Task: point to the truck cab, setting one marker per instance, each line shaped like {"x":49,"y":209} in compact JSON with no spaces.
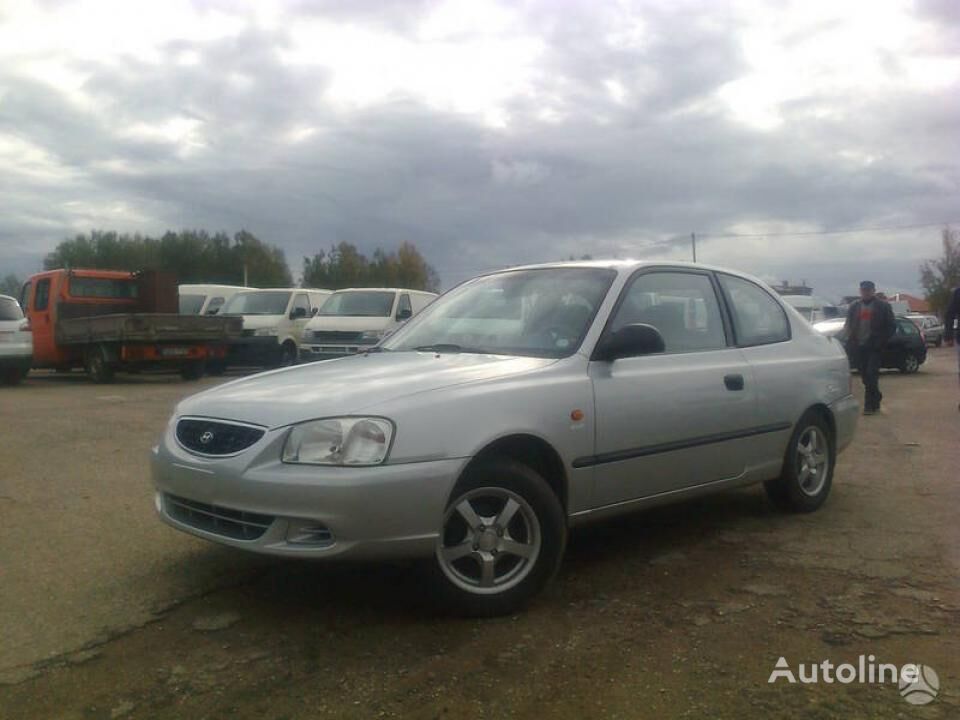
{"x":273,"y":323}
{"x":355,"y":319}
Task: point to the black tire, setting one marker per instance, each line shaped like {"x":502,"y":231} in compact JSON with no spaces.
{"x":13,"y":376}
{"x":192,"y":370}
{"x":288,"y":355}
{"x":911,"y":364}
{"x":537,"y":525}
{"x":216,"y":368}
{"x":98,"y":367}
{"x":795,"y":491}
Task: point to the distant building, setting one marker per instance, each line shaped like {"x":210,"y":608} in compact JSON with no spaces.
{"x":785,"y":288}
{"x":917,"y":305}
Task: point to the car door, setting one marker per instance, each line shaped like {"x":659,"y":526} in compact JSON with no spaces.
{"x":680,"y":418}
{"x":39,"y":310}
{"x":896,"y":348}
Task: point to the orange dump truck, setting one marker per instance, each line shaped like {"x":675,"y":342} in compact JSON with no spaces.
{"x":108,"y":320}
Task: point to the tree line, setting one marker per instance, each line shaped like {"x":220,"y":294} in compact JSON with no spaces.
{"x":197,"y":256}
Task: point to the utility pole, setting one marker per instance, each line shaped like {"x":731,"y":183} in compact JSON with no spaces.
{"x":693,"y":239}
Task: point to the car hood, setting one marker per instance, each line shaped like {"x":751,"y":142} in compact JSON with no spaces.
{"x":348,"y":385}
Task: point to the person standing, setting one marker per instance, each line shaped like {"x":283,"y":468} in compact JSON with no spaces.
{"x":870,"y":325}
{"x":950,"y":334}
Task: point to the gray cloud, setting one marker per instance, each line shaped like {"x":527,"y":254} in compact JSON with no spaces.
{"x":600,"y":174}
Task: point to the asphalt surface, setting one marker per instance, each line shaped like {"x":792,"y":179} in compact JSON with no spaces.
{"x":675,"y":612}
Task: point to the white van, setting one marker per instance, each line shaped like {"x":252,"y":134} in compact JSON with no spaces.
{"x":205,"y":299}
{"x":273,"y":323}
{"x":16,"y":342}
{"x":355,"y":319}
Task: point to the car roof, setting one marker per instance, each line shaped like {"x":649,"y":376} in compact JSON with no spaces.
{"x":7,"y":297}
{"x":384,"y":289}
{"x":628,"y":266}
{"x":306,"y":290}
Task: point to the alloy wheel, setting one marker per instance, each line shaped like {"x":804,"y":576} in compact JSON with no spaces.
{"x":490,"y":541}
{"x":813,"y":460}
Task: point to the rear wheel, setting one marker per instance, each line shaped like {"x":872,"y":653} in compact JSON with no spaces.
{"x":216,"y":367}
{"x":13,"y":376}
{"x":98,"y":367}
{"x":502,"y":539}
{"x":911,"y":364}
{"x":807,"y":476}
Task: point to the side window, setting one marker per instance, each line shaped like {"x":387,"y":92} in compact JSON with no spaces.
{"x":301,"y":301}
{"x":682,"y":306}
{"x":214,"y":306}
{"x":907,"y":328}
{"x":25,"y":296}
{"x":757,"y":318}
{"x":42,"y":300}
{"x":404,"y":308}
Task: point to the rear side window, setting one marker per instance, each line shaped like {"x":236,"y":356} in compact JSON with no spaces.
{"x":758,"y":319}
{"x":404,"y":304}
{"x":9,"y":310}
{"x":191,"y":304}
{"x":42,"y":299}
{"x":682,"y":306}
{"x":907,"y":328}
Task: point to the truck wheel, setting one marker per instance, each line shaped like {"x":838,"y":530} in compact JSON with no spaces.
{"x":288,"y":354}
{"x":192,"y":371}
{"x":99,"y":370}
{"x":216,"y":368}
{"x":13,"y":376}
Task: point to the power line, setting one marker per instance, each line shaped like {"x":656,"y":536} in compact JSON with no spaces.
{"x":828,"y":232}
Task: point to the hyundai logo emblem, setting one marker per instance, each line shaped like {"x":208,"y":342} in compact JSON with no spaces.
{"x":206,"y":438}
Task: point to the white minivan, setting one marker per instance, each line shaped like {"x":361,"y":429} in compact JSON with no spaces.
{"x":205,"y":299}
{"x":273,"y":323}
{"x":16,"y":342}
{"x":355,"y":319}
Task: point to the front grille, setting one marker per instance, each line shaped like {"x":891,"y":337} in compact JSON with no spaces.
{"x":336,"y":336}
{"x":235,"y":524}
{"x":211,"y":437}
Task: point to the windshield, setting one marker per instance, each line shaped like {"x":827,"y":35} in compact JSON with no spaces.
{"x":257,"y":303}
{"x":543,"y":313}
{"x":191,"y":304}
{"x":359,"y":304}
{"x":9,"y":310}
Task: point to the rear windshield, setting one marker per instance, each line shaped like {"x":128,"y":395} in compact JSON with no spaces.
{"x":9,"y":309}
{"x":359,"y":304}
{"x":86,"y":287}
{"x":191,"y":304}
{"x":257,"y":303}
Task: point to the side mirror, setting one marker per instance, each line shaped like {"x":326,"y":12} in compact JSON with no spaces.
{"x":314,"y":311}
{"x":630,"y":341}
{"x":404,"y":314}
{"x":298,"y":313}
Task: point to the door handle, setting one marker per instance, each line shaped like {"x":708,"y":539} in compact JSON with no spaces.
{"x":733,"y":382}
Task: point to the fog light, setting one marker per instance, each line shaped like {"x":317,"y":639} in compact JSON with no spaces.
{"x":309,"y":532}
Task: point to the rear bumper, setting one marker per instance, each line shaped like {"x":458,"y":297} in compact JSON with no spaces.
{"x":846,"y":414}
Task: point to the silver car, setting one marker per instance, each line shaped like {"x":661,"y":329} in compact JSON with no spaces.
{"x":516,"y":406}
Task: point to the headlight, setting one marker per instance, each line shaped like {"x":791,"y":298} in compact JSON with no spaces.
{"x":264,"y":332}
{"x":339,"y":441}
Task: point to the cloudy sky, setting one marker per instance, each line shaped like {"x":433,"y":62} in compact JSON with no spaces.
{"x":492,"y":134}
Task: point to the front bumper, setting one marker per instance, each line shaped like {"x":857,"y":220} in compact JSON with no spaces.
{"x":846,"y":415}
{"x":386,"y":511}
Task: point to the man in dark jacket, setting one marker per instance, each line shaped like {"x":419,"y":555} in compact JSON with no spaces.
{"x":870,"y":325}
{"x":950,"y":334}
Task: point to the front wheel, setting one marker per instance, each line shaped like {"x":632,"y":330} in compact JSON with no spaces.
{"x":502,"y":539}
{"x":911,"y":364}
{"x":804,"y":483}
{"x":288,"y":354}
{"x":192,"y":370}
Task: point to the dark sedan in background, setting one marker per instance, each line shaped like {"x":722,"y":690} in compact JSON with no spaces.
{"x":906,"y":351}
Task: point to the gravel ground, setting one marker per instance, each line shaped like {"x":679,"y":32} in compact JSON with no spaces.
{"x":671,"y":613}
